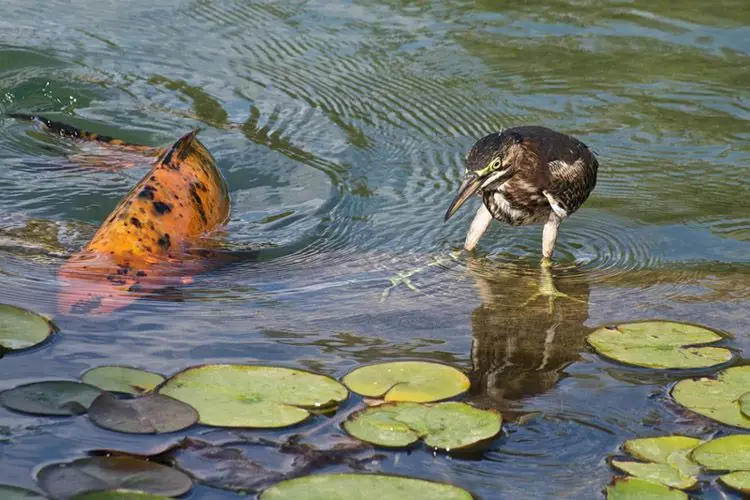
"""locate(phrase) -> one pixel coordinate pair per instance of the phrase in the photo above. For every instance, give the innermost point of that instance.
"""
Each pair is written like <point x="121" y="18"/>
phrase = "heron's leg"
<point x="478" y="226"/>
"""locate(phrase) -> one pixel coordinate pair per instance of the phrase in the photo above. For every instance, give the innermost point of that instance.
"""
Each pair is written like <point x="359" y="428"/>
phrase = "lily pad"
<point x="744" y="402"/>
<point x="9" y="492"/>
<point x="660" y="473"/>
<point x="633" y="488"/>
<point x="659" y="344"/>
<point x="730" y="453"/>
<point x="658" y="449"/>
<point x="739" y="480"/>
<point x="22" y="329"/>
<point x="446" y="426"/>
<point x="122" y="379"/>
<point x="151" y="414"/>
<point x="362" y="487"/>
<point x="716" y="398"/>
<point x="57" y="397"/>
<point x="98" y="474"/>
<point x="416" y="381"/>
<point x="253" y="396"/>
<point x="119" y="495"/>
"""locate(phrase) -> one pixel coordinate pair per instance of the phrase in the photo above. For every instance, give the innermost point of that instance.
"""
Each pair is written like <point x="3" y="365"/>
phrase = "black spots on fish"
<point x="135" y="222"/>
<point x="152" y="178"/>
<point x="162" y="208"/>
<point x="151" y="225"/>
<point x="147" y="192"/>
<point x="123" y="270"/>
<point x="198" y="202"/>
<point x="142" y="210"/>
<point x="141" y="274"/>
<point x="164" y="241"/>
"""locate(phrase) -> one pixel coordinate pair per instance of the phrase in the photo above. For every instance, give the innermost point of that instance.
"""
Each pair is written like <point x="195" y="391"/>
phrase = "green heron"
<point x="526" y="175"/>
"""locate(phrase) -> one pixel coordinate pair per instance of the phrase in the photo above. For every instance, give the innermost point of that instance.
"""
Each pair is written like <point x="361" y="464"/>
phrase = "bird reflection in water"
<point x="523" y="341"/>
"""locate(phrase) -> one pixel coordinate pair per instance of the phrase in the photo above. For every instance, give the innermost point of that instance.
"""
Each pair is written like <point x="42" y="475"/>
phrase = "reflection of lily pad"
<point x="658" y="449"/>
<point x="446" y="426"/>
<point x="59" y="397"/>
<point x="119" y="495"/>
<point x="96" y="474"/>
<point x="739" y="480"/>
<point x="122" y="379"/>
<point x="253" y="396"/>
<point x="716" y="398"/>
<point x="726" y="453"/>
<point x="416" y="381"/>
<point x="362" y="487"/>
<point x="21" y="328"/>
<point x="660" y="473"/>
<point x="633" y="488"/>
<point x="659" y="344"/>
<point x="154" y="413"/>
<point x="8" y="492"/>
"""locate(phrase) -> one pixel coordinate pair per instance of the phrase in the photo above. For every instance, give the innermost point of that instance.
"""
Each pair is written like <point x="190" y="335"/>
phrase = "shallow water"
<point x="341" y="129"/>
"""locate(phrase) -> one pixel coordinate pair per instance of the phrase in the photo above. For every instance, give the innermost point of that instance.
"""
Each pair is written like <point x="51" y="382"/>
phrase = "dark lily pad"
<point x="98" y="474"/>
<point x="57" y="397"/>
<point x="730" y="453"/>
<point x="151" y="414"/>
<point x="739" y="480"/>
<point x="122" y="379"/>
<point x="659" y="473"/>
<point x="9" y="492"/>
<point x="659" y="344"/>
<point x="22" y="329"/>
<point x="253" y="396"/>
<point x="119" y="495"/>
<point x="716" y="398"/>
<point x="447" y="426"/>
<point x="362" y="487"/>
<point x="633" y="488"/>
<point x="416" y="381"/>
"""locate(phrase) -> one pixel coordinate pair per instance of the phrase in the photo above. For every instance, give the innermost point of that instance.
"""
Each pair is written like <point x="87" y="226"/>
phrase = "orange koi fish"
<point x="145" y="243"/>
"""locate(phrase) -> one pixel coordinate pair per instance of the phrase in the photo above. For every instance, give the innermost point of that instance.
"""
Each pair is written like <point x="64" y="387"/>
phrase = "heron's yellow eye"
<point x="495" y="164"/>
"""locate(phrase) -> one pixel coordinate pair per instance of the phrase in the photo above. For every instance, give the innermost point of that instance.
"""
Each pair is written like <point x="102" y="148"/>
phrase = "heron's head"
<point x="491" y="161"/>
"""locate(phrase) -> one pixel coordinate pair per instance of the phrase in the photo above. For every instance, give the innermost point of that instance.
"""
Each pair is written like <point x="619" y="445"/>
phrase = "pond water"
<point x="341" y="129"/>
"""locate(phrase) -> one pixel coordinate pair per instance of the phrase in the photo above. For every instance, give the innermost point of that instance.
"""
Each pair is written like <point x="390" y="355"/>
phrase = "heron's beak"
<point x="472" y="182"/>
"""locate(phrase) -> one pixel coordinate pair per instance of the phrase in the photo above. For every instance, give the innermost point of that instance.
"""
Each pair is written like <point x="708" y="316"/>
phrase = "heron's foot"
<point x="404" y="277"/>
<point x="546" y="263"/>
<point x="548" y="289"/>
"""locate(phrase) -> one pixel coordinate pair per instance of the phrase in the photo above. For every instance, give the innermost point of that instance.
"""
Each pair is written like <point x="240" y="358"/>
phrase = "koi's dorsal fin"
<point x="179" y="150"/>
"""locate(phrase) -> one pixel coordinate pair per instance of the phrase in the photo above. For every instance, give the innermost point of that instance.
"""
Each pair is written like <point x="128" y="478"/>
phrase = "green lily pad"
<point x="633" y="488"/>
<point x="122" y="379"/>
<point x="744" y="402"/>
<point x="658" y="449"/>
<point x="416" y="381"/>
<point x="99" y="474"/>
<point x="716" y="398"/>
<point x="362" y="487"/>
<point x="57" y="397"/>
<point x="681" y="461"/>
<point x="727" y="453"/>
<point x="253" y="396"/>
<point x="659" y="344"/>
<point x="151" y="414"/>
<point x="22" y="329"/>
<point x="739" y="480"/>
<point x="446" y="426"/>
<point x="9" y="492"/>
<point x="119" y="495"/>
<point x="660" y="473"/>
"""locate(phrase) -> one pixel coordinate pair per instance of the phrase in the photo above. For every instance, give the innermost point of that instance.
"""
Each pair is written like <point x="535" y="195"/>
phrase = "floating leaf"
<point x="633" y="488"/>
<point x="657" y="449"/>
<point x="119" y="495"/>
<point x="97" y="474"/>
<point x="253" y="396"/>
<point x="58" y="397"/>
<point x="739" y="480"/>
<point x="716" y="398"/>
<point x="744" y="402"/>
<point x="660" y="473"/>
<point x="681" y="461"/>
<point x="122" y="379"/>
<point x="8" y="492"/>
<point x="362" y="487"/>
<point x="727" y="453"/>
<point x="21" y="328"/>
<point x="151" y="414"/>
<point x="446" y="426"/>
<point x="659" y="344"/>
<point x="417" y="381"/>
